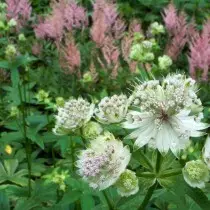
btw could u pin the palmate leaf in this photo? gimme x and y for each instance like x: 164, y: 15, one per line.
x: 4, y: 201
x: 9, y: 173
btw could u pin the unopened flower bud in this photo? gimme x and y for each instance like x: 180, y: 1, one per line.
x: 12, y: 23
x: 136, y: 52
x: 87, y: 77
x: 14, y: 112
x: 127, y: 184
x: 164, y: 62
x: 91, y: 130
x: 42, y: 96
x: 8, y: 149
x: 10, y: 52
x: 60, y: 101
x: 149, y: 56
x: 196, y: 173
x: 156, y: 28
x: 22, y: 38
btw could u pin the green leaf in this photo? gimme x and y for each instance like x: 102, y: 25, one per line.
x: 11, y: 137
x: 87, y: 202
x: 70, y: 197
x: 4, y: 201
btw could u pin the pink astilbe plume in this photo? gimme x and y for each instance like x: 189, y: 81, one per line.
x: 177, y: 28
x: 20, y: 10
x: 199, y: 57
x: 70, y: 57
x: 64, y: 16
x: 52, y: 27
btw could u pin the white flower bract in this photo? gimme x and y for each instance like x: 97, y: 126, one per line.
x: 74, y: 115
x: 112, y: 109
x: 102, y: 163
x: 164, y: 120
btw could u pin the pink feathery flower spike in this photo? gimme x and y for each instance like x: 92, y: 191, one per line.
x: 199, y: 56
x: 177, y: 28
x: 20, y: 10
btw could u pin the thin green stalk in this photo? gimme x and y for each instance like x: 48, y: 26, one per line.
x: 148, y: 197
x: 109, y: 202
x: 158, y: 162
x: 27, y: 142
x: 72, y: 153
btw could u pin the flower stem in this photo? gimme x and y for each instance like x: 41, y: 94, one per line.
x: 27, y: 141
x: 148, y: 197
x: 109, y: 203
x: 72, y: 153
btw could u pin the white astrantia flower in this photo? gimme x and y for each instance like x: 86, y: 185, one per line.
x: 112, y: 109
x: 164, y: 120
x: 196, y: 173
x: 102, y: 163
x: 128, y: 183
x: 206, y: 152
x: 73, y: 115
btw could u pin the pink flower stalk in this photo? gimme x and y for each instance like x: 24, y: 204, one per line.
x: 52, y: 27
x: 170, y: 18
x: 199, y: 57
x: 110, y: 52
x: 20, y: 10
x: 176, y: 26
x: 70, y: 57
x: 65, y: 15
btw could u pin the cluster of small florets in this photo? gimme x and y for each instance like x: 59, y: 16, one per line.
x: 74, y: 115
x: 175, y: 93
x: 112, y: 109
x: 127, y: 184
x: 196, y: 173
x: 143, y: 51
x: 164, y: 62
x: 156, y: 28
x: 91, y: 130
x: 103, y: 162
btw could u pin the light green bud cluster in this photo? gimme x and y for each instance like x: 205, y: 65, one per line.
x: 164, y: 62
x: 42, y: 96
x: 196, y: 173
x: 91, y: 130
x: 87, y: 77
x: 143, y: 51
x: 10, y: 51
x: 156, y: 28
x: 58, y: 177
x: 127, y: 184
x: 14, y: 111
x: 60, y: 101
x: 12, y: 23
x: 21, y: 37
x: 3, y: 6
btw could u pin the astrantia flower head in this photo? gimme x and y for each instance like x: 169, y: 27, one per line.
x: 112, y: 109
x: 127, y: 184
x: 74, y: 115
x: 196, y: 173
x: 102, y: 163
x: 206, y: 152
x: 164, y: 120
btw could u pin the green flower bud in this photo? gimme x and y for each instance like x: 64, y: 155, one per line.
x: 136, y: 52
x: 149, y: 56
x: 91, y: 130
x: 87, y: 77
x: 42, y: 96
x: 14, y: 112
x: 164, y: 62
x: 60, y: 101
x: 147, y: 45
x: 22, y: 38
x: 138, y: 37
x: 196, y: 173
x: 156, y: 28
x: 10, y: 51
x: 127, y: 184
x: 12, y: 23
